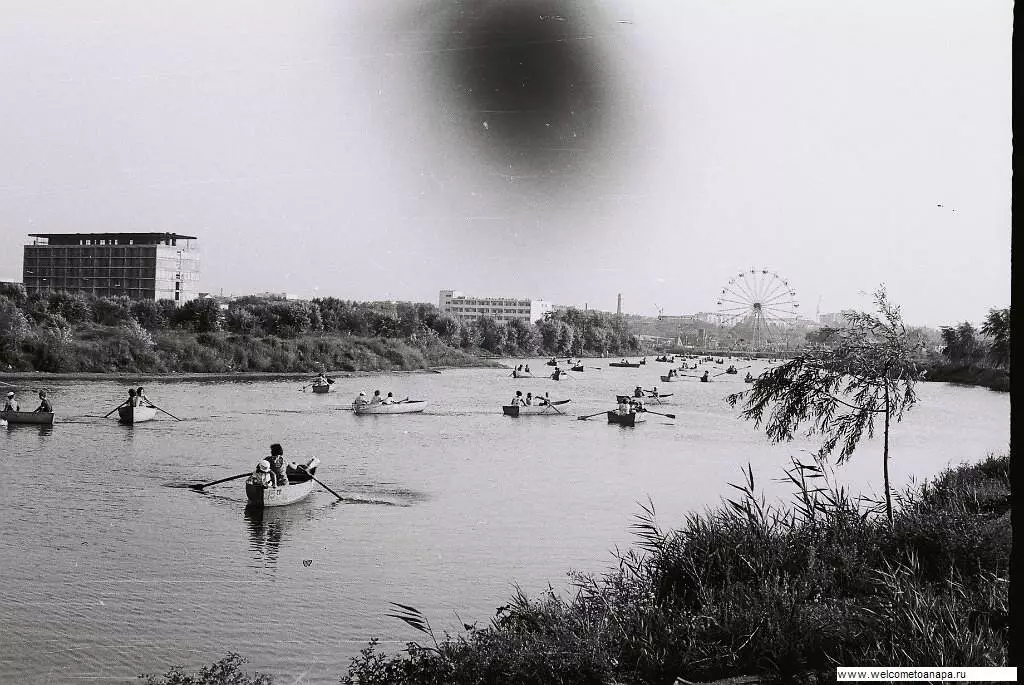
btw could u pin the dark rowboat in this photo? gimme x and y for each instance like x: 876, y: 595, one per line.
x: 625, y: 365
x: 321, y: 389
x: 630, y: 419
x: 135, y: 414
x: 533, y: 409
x: 578, y: 367
x: 300, y: 484
x: 41, y: 418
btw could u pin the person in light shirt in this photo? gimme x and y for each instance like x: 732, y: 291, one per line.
x: 11, y: 404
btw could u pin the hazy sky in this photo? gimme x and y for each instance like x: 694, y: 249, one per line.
x: 561, y: 151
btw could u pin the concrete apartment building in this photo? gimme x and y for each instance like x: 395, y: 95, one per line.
x: 501, y: 309
x: 143, y: 266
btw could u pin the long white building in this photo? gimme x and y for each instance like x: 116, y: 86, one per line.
x: 501, y: 309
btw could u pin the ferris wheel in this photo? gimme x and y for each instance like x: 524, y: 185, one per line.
x: 761, y: 299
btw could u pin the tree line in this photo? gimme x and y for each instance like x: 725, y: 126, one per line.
x: 45, y: 318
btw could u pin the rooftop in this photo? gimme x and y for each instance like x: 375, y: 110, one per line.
x: 114, y: 234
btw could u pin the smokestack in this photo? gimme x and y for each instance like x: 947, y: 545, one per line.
x: 618, y: 310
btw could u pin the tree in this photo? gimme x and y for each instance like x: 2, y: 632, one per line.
x: 869, y: 371
x: 962, y: 344
x: 997, y: 327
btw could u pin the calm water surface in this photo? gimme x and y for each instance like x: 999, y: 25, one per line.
x: 111, y: 568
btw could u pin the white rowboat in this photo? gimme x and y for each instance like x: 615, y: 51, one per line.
x: 135, y: 414
x: 404, y: 407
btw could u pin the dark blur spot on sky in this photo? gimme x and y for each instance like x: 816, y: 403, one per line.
x: 525, y: 84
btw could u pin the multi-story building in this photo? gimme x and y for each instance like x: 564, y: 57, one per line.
x: 143, y: 266
x: 501, y: 309
x: 834, y: 319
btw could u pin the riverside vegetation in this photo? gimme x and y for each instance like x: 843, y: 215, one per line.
x: 64, y: 332
x: 784, y: 591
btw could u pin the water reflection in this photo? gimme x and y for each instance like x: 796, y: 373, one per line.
x: 267, y: 528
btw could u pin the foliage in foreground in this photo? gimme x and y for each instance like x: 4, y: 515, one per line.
x: 227, y: 671
x: 787, y: 592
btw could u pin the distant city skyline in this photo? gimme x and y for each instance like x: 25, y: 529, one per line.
x: 660, y: 148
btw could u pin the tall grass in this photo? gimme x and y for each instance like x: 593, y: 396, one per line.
x: 784, y: 590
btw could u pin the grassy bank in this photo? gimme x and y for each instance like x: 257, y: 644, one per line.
x: 786, y: 592
x: 96, y: 348
x: 969, y: 374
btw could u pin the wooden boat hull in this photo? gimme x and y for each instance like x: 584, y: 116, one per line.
x: 38, y: 418
x: 577, y: 368
x: 630, y: 419
x: 626, y: 365
x: 669, y: 379
x: 134, y: 415
x: 259, y: 496
x: 533, y: 409
x: 321, y: 389
x: 521, y: 374
x: 410, y: 407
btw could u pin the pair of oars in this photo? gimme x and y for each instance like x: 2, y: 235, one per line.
x: 645, y: 411
x: 247, y: 473
x: 150, y: 404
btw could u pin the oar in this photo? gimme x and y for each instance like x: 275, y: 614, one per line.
x: 164, y: 411
x: 648, y: 411
x: 222, y: 480
x: 115, y: 409
x: 590, y: 416
x: 303, y: 467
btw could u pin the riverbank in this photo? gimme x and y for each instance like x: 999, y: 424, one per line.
x: 969, y: 374
x: 780, y: 592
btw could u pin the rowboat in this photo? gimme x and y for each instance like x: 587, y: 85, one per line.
x: 40, y: 418
x: 669, y: 379
x: 321, y: 389
x: 625, y: 365
x: 516, y: 373
x: 300, y: 484
x: 533, y: 409
x: 403, y: 407
x: 135, y: 414
x: 578, y: 367
x: 630, y: 419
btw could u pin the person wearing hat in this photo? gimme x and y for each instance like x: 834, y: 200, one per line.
x: 262, y: 475
x: 11, y: 404
x: 360, y: 400
x: 277, y: 465
x: 44, y: 404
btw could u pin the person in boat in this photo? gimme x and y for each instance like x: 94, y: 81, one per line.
x: 529, y: 399
x: 390, y: 399
x: 277, y: 465
x: 638, y: 391
x: 527, y: 369
x: 704, y: 378
x: 44, y: 404
x: 557, y: 373
x: 624, y: 406
x: 376, y: 398
x: 518, y: 400
x: 11, y: 404
x: 262, y: 475
x: 543, y: 401
x: 519, y: 368
x: 320, y: 380
x: 140, y: 398
x: 360, y: 400
x: 748, y: 378
x: 623, y: 361
x: 131, y: 401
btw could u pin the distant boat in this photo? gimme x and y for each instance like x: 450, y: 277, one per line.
x: 625, y: 365
x: 516, y: 373
x: 321, y: 389
x: 534, y: 409
x: 40, y: 418
x: 136, y: 414
x: 630, y: 419
x: 401, y: 407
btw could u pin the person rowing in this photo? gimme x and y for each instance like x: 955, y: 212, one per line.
x: 11, y: 404
x: 44, y: 404
x: 518, y: 400
x: 704, y: 378
x: 360, y: 400
x: 748, y: 378
x: 140, y: 398
x: 638, y: 391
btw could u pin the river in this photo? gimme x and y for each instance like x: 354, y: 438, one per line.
x: 112, y: 567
